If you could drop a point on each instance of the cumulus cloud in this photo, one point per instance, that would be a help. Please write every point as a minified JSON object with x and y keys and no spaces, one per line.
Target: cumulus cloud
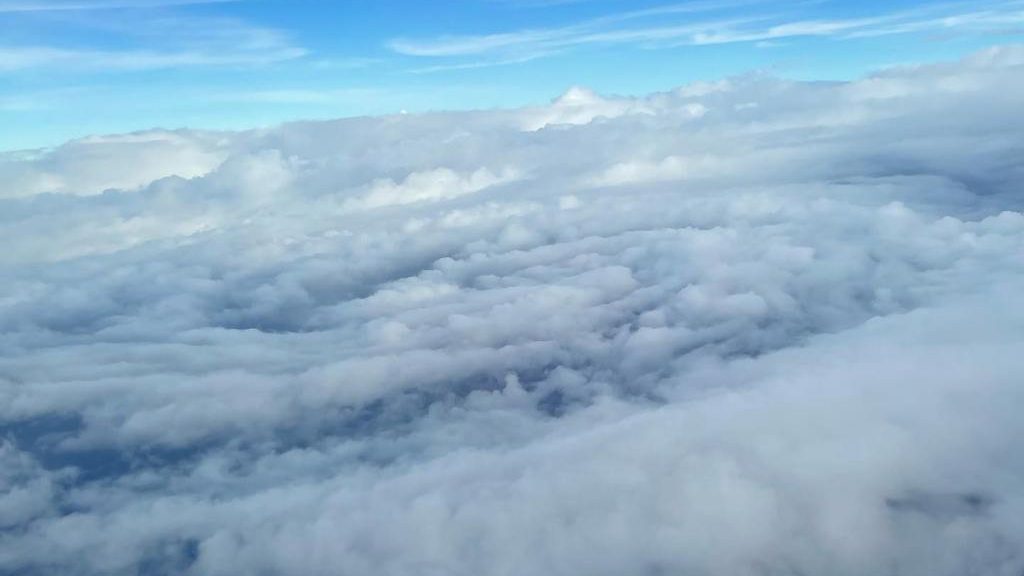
{"x":753,"y":326}
{"x":96,"y":164}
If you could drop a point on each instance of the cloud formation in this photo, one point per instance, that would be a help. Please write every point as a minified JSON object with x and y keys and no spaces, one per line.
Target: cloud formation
{"x":745,"y":327}
{"x":143,"y":36}
{"x":79,"y":5}
{"x":706,"y":23}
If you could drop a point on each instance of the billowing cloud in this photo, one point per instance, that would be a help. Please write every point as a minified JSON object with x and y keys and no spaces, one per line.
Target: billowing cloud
{"x":97,"y":164}
{"x":746,"y":327}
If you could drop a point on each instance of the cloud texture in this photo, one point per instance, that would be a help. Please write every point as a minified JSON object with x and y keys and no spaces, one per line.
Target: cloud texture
{"x":750,"y":327}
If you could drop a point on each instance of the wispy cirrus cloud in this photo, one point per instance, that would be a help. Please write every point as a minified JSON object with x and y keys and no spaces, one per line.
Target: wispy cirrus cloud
{"x":21,"y":58}
{"x":612,"y":28}
{"x":702,"y":24}
{"x":152,"y":39}
{"x":58,"y":6}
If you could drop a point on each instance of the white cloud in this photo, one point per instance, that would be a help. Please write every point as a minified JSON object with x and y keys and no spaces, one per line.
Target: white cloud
{"x":147,"y":40}
{"x":426,"y":186}
{"x":745,"y":327}
{"x":79,"y":5}
{"x":93,"y":165}
{"x":702,"y":23}
{"x":579,"y":105}
{"x":27,"y":57}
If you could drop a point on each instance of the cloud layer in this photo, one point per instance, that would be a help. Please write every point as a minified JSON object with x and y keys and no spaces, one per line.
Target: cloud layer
{"x":745,"y":327}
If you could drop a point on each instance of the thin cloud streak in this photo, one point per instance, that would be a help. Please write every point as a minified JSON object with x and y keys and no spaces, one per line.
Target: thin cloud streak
{"x":721,"y":29}
{"x":156,"y":42}
{"x":7,"y":7}
{"x":23,"y":58}
{"x":587,"y":31}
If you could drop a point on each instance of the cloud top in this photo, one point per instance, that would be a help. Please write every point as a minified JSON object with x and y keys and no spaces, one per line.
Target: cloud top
{"x":746,"y":327}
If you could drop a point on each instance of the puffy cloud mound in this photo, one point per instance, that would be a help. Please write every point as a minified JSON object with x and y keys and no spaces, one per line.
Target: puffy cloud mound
{"x":751,"y":327}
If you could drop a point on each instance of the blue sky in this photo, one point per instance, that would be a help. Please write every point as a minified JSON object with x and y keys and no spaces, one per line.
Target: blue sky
{"x":70,"y":68}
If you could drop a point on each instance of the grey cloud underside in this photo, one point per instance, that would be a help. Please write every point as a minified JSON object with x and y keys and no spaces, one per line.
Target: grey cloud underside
{"x":747,"y":327}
